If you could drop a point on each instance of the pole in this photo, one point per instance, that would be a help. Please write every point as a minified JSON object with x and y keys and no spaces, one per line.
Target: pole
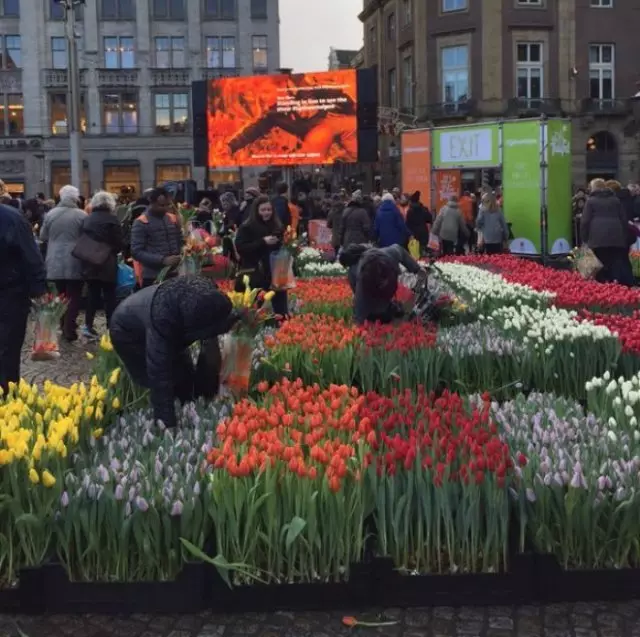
{"x":73,"y":99}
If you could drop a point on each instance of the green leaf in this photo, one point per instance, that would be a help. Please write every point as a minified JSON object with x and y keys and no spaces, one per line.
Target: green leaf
{"x":28,"y":519}
{"x":296,"y":526}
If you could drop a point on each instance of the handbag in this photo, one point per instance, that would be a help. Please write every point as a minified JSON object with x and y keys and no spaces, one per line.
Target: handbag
{"x":91,"y":251}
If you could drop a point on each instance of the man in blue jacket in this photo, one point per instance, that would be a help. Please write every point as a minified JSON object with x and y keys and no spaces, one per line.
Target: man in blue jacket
{"x":22,"y":277}
{"x":390,"y":227}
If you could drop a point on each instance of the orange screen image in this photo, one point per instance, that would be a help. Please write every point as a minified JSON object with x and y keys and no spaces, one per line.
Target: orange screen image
{"x":308,"y":118}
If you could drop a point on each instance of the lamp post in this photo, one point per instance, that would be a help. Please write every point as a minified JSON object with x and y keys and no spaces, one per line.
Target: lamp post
{"x":73,"y":95}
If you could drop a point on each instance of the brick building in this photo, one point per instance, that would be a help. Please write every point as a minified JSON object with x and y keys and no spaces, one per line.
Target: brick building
{"x":137,"y":60}
{"x":453,"y":61}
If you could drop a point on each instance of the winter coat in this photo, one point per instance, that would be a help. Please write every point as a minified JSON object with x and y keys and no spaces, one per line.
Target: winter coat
{"x":628,"y":203}
{"x":418,"y":216}
{"x":60,"y":230}
{"x":232,"y":219}
{"x":254,"y":253}
{"x":364,"y":307}
{"x":103,"y":226}
{"x":604,"y":224}
{"x":158,"y":324}
{"x":450,"y":223}
{"x":281,"y":207}
{"x":154,"y":238}
{"x":389,"y":227}
{"x":493,"y":226}
{"x":22,"y":272}
{"x":355,"y":226}
{"x":334,"y":223}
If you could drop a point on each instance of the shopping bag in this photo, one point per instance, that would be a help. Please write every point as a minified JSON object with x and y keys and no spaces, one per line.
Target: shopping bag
{"x":414,"y":248}
{"x":237,"y":354}
{"x":282,"y":277}
{"x":125,"y":280}
{"x":587,"y":263}
{"x":434,"y":242}
{"x":46,"y":346}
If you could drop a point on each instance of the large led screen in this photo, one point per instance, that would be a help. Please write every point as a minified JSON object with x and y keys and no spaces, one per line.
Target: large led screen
{"x":307,"y":118}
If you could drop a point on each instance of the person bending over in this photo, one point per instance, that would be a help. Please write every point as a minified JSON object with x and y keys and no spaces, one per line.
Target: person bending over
{"x":152,"y":330}
{"x":373,"y":276}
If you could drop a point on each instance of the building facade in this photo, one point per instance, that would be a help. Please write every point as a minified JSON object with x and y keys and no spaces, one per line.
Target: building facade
{"x":443,"y":62}
{"x":137,"y":60}
{"x":341,"y":59}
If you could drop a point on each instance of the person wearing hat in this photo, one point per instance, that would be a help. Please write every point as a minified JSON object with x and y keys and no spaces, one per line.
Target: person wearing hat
{"x":390,"y":227}
{"x":250,"y":195}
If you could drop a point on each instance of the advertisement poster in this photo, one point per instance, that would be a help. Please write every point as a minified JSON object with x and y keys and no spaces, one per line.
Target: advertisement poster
{"x":447,"y":183}
{"x":521,"y":184}
{"x":559,"y":186}
{"x":307,"y":118}
{"x":466,"y":147}
{"x":416,"y":164}
{"x":320,"y":235}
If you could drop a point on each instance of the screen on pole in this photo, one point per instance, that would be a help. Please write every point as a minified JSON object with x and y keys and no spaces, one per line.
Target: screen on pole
{"x":307,"y":118}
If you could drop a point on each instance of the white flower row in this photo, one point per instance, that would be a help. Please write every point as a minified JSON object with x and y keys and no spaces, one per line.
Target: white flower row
{"x":310,"y":254}
{"x":480,"y":285}
{"x":322,"y":269}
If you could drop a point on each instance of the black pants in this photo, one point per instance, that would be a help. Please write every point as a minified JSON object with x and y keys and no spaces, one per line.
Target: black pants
{"x":14,"y":311}
{"x":493,"y":248}
{"x":616,"y":266}
{"x":102,"y":294}
{"x":72,"y":291}
{"x":448,"y":247}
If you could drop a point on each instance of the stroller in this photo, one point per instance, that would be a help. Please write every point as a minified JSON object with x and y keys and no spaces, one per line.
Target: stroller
{"x":426,"y":308}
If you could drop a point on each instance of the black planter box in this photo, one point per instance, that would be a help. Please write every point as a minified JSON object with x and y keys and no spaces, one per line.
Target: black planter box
{"x":48,"y":590}
{"x":553,"y":584}
{"x":355,"y":593}
{"x":394,"y":589}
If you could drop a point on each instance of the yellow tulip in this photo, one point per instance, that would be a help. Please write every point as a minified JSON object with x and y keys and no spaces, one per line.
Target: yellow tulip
{"x":33,"y":476}
{"x":269,"y":295}
{"x":90,"y":356}
{"x":6,"y":457}
{"x":97,"y":433}
{"x":88,"y":411}
{"x":115,"y":375}
{"x":115,"y":403}
{"x":99,"y":414}
{"x":47,"y":479}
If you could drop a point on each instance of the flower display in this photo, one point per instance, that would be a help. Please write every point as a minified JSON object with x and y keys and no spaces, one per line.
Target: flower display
{"x":322,"y":269}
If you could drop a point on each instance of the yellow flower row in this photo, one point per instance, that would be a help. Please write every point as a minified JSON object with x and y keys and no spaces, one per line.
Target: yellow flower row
{"x":247,"y":299}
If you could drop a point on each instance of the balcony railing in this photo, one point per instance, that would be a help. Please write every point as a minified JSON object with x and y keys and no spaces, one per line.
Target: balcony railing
{"x":170,"y":77}
{"x":216,"y":73}
{"x":533,"y":107}
{"x":592,"y":106}
{"x":446,"y":110}
{"x":11,"y":81}
{"x":59,"y":78}
{"x":118,"y":77}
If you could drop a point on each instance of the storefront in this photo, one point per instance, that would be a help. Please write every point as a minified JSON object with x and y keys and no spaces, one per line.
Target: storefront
{"x":122,"y":177}
{"x":221,"y":177}
{"x":171,"y":170}
{"x":61,"y":176}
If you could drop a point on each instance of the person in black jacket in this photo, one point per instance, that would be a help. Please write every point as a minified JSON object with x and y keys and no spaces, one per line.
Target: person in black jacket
{"x":101,"y":225}
{"x":22,"y":277}
{"x":257,"y":239}
{"x":281,"y":205}
{"x":152,"y":330}
{"x":418,"y":216}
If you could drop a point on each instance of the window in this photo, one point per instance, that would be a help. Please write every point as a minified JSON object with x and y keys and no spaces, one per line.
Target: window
{"x":172,"y":172}
{"x":169,"y":53}
{"x":258,"y":9}
{"x":601,"y":71}
{"x":120,"y":113}
{"x":59,"y":58}
{"x":453,"y":5}
{"x":11,"y":114}
{"x":12,"y":52}
{"x":119,"y":178}
{"x":602,"y":4}
{"x":171,"y":112}
{"x":221,"y":53}
{"x":529,"y":71}
{"x":118,"y":10}
{"x":58,"y":114}
{"x":407,"y":12}
{"x":119,"y":53}
{"x":168,"y":9}
{"x":10,"y":8}
{"x":455,"y":74}
{"x":220,"y":9}
{"x":407,"y":83}
{"x":393,"y":88}
{"x":259,"y":45}
{"x":61,"y":176}
{"x":56,"y":10}
{"x":391,"y":26}
{"x":530,"y":3}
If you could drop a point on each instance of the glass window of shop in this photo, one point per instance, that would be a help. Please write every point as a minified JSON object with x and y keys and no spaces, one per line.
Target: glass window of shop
{"x":219,"y":178}
{"x":61,"y":176}
{"x":58,"y":113}
{"x":172,"y":172}
{"x":11,"y":115}
{"x":120,"y":113}
{"x":123,"y":178}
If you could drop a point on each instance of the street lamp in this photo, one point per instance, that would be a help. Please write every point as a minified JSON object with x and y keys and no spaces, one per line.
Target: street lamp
{"x":73,"y":96}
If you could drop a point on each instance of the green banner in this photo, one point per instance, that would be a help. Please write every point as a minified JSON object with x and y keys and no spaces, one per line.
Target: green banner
{"x":522,"y":197}
{"x":559,"y":235}
{"x":466,"y":147}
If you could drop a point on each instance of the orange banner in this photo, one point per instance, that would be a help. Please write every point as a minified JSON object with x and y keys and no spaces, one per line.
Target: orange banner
{"x":320,"y":235}
{"x":416,"y":164}
{"x":447,"y":184}
{"x":305,"y":118}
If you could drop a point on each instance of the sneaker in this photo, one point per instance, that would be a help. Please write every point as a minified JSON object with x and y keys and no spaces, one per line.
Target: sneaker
{"x":89,"y":333}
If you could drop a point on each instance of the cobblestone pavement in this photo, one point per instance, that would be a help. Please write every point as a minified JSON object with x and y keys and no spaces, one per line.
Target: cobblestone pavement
{"x":581,"y":620}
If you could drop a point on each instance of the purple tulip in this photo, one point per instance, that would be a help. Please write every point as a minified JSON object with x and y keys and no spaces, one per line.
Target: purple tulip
{"x":176,"y":509}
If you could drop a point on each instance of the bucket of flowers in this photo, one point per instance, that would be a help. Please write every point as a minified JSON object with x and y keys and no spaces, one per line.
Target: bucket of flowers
{"x":282,"y":277}
{"x":48,"y":312}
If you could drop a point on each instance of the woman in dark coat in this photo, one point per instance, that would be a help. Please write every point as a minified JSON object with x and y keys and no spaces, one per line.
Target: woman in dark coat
{"x":256,"y":240}
{"x":101,"y":225}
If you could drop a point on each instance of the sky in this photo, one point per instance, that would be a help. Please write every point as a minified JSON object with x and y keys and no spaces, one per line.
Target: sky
{"x":309,"y":28}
